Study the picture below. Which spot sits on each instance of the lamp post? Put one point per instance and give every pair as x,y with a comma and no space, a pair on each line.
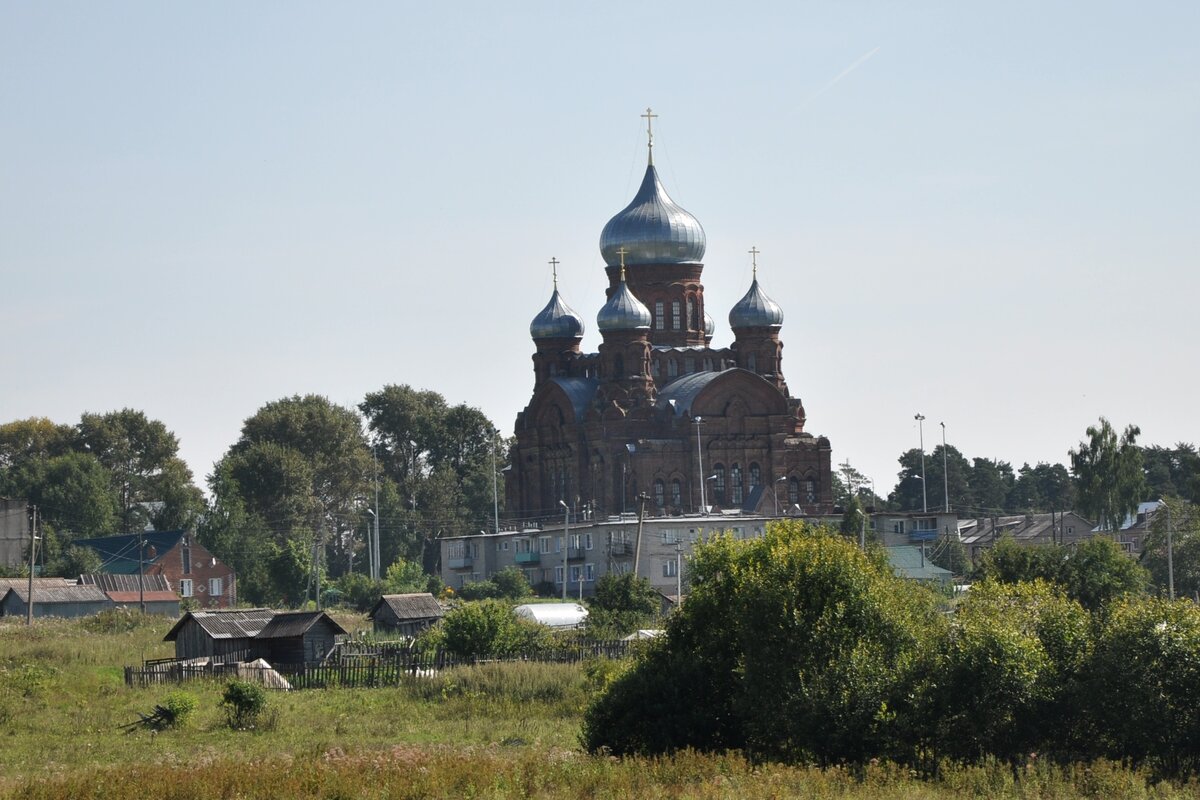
566,534
920,418
1170,555
700,463
945,474
374,546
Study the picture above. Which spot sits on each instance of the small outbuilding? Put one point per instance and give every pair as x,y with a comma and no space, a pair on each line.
405,614
553,615
222,635
58,601
298,637
130,591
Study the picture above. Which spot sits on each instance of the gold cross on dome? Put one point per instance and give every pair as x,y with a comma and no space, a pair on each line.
621,251
649,116
754,251
554,269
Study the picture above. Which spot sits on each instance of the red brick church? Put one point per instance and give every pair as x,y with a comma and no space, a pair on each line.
660,409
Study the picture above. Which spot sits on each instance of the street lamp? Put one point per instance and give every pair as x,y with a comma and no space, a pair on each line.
566,535
1170,554
700,463
372,566
945,474
920,418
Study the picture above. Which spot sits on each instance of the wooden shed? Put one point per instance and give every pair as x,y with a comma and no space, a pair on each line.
405,614
60,601
297,637
224,635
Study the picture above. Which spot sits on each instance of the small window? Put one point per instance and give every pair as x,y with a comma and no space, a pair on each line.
676,493
659,322
576,574
185,587
735,480
216,587
187,561
689,365
755,475
670,569
587,541
691,314
589,572
544,545
660,491
719,483
672,368
793,491
676,315
558,574
810,488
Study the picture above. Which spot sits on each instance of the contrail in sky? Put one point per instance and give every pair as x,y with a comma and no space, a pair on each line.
858,63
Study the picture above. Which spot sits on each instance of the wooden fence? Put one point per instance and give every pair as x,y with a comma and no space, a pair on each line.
365,665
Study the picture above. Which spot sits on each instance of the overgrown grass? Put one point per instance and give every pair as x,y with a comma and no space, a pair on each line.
490,731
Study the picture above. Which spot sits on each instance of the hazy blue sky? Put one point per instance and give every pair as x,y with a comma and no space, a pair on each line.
987,213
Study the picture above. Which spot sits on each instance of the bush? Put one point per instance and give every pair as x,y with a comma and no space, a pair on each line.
244,703
180,706
622,604
487,628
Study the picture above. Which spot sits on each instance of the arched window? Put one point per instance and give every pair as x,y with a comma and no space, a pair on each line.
793,491
672,368
755,475
676,493
810,490
656,367
708,365
735,481
660,491
691,317
676,315
659,322
719,484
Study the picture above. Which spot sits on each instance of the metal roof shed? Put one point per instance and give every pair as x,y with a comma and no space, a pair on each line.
406,614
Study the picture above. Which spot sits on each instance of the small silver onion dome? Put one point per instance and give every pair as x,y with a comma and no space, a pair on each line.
755,310
653,229
556,321
623,311
710,326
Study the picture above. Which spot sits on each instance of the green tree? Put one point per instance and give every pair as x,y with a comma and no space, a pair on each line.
991,482
1173,471
621,604
795,646
487,628
75,561
73,492
1108,474
1093,572
142,457
403,577
1184,521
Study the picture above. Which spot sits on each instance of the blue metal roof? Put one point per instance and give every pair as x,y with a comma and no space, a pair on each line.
119,554
556,321
684,390
579,391
653,229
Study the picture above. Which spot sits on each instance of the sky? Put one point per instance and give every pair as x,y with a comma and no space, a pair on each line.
983,213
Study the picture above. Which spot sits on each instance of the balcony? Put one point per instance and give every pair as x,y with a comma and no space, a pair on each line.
528,558
922,536
463,562
576,554
620,549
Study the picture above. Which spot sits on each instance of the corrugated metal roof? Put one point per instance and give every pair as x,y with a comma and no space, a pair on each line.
417,605
242,623
151,597
60,594
125,583
295,623
45,583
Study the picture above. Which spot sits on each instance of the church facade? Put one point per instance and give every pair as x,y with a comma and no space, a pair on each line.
659,409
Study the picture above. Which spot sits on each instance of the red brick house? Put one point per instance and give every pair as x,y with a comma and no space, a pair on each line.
196,574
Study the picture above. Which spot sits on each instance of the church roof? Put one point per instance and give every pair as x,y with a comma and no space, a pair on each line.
755,310
579,391
623,311
653,229
556,321
680,392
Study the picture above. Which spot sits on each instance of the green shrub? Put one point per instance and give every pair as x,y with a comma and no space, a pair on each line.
115,620
487,628
244,703
180,705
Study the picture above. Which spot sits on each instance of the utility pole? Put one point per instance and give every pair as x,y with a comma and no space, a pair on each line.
142,570
566,541
678,572
700,462
945,474
375,545
32,551
637,546
920,418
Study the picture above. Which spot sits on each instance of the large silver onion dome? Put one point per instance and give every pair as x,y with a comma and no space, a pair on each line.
653,229
556,321
755,310
623,311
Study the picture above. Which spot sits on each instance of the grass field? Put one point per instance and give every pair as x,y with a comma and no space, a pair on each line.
502,731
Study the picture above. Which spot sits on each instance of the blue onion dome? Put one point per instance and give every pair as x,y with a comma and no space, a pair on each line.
653,229
755,310
623,311
556,321
710,326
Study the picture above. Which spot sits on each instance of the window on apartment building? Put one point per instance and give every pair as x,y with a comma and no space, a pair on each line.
216,587
670,569
185,587
544,545
576,574
558,574
589,572
587,541
929,524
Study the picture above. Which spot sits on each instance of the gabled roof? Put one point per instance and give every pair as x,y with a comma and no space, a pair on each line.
119,554
38,583
295,623
59,594
241,623
416,605
908,562
126,583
